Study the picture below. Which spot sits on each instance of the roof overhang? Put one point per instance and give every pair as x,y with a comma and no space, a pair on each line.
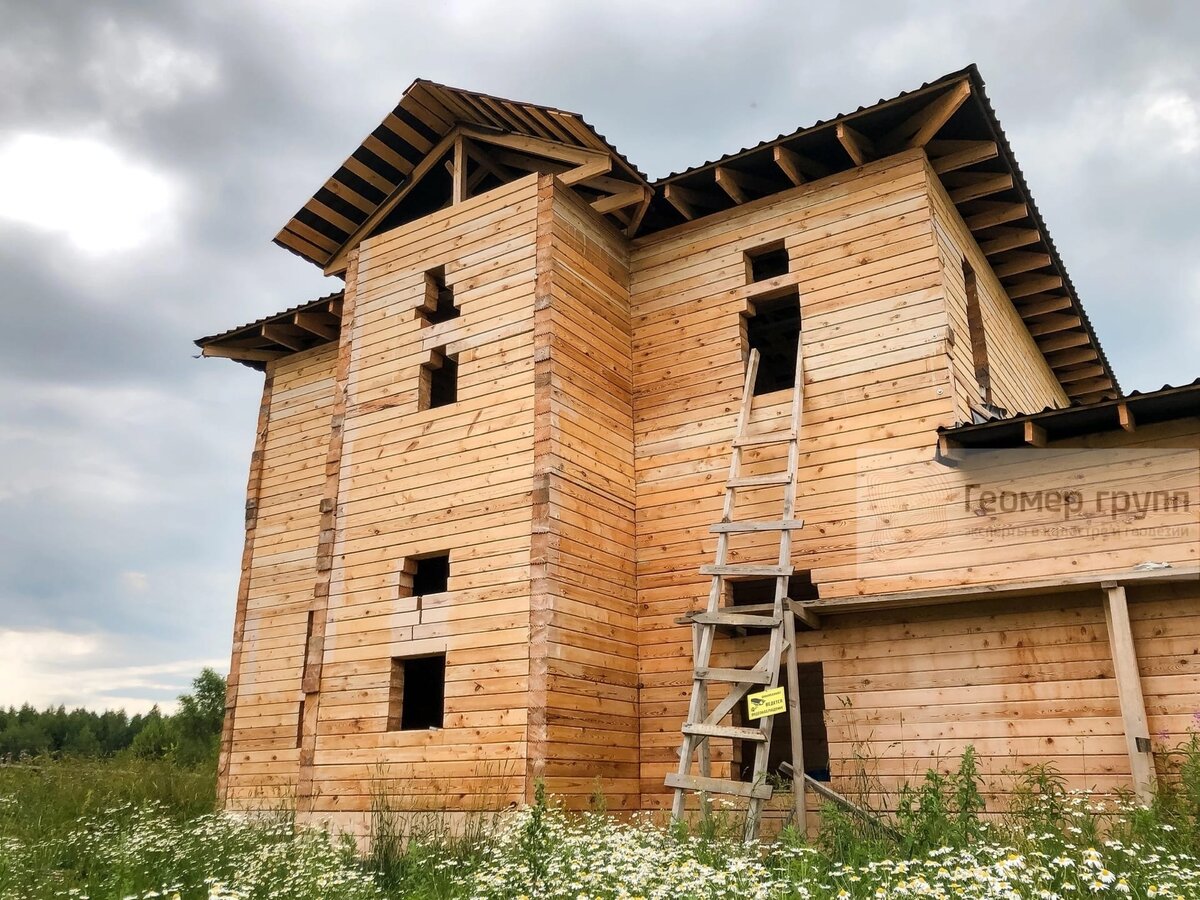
273,337
953,120
415,136
1036,429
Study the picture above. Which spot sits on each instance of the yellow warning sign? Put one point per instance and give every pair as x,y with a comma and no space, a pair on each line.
765,703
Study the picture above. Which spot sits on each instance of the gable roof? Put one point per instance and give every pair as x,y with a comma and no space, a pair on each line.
425,115
962,136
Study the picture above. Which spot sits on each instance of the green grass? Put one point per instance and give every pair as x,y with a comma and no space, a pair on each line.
144,829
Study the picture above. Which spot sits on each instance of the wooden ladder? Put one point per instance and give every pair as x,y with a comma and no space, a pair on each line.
778,617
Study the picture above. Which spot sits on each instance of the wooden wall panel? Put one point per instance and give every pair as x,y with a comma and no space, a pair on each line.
1020,378
451,479
586,469
264,752
863,256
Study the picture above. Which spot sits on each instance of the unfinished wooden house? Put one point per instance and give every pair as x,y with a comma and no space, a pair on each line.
517,511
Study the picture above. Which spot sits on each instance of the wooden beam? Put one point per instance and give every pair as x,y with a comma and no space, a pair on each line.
587,170
1040,304
537,146
1072,357
1129,691
337,264
1018,263
1063,341
1035,435
1100,383
974,185
1052,323
1125,417
280,335
730,184
1035,285
857,145
947,156
620,201
1009,238
635,221
993,214
316,323
1093,370
458,190
242,353
685,200
789,163
919,129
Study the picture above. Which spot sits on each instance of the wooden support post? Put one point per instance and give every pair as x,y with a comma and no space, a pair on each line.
1129,690
795,726
459,192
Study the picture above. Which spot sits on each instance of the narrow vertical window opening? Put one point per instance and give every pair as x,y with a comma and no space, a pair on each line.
979,357
300,725
439,298
439,380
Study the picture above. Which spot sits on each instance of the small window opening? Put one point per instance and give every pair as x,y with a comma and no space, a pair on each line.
417,693
431,574
439,298
767,261
300,725
773,329
814,737
439,380
979,357
753,591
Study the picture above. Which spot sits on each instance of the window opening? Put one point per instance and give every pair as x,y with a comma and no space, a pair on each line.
417,693
773,329
439,380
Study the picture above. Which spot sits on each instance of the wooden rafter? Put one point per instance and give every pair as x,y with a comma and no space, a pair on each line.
1052,323
1040,304
919,129
1018,263
285,337
735,183
788,162
685,200
965,186
613,202
1092,370
1034,285
324,327
338,263
857,145
1063,341
990,214
948,156
1002,239
1071,356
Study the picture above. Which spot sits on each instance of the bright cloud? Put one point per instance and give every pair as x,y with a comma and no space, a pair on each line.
1177,114
84,189
46,668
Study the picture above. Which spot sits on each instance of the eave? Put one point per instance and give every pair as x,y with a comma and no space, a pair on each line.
953,120
276,336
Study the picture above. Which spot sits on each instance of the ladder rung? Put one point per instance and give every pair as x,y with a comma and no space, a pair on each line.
739,527
771,437
752,481
737,618
747,569
734,676
724,731
761,791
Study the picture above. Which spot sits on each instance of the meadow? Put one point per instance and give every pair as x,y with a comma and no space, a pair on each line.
129,827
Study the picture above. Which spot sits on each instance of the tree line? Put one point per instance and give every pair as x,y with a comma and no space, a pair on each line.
191,736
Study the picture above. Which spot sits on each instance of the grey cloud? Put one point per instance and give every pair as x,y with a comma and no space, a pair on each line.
249,107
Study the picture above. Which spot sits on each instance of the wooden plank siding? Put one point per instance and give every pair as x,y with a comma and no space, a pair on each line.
264,750
1021,380
574,480
454,479
585,478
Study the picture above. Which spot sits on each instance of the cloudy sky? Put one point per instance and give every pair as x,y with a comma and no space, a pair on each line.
149,151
